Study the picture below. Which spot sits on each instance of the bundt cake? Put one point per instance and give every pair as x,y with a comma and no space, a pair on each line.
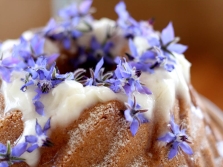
82,92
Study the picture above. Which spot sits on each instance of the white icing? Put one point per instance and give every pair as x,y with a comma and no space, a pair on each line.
166,86
6,48
219,146
197,111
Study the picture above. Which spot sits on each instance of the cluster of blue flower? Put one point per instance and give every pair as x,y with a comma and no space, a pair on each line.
41,70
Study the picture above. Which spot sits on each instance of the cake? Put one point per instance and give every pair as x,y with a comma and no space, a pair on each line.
85,92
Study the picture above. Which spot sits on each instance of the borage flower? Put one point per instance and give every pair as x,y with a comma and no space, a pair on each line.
142,62
40,139
9,156
29,49
7,65
101,50
149,60
162,60
126,78
76,10
129,25
176,139
168,42
45,81
65,32
97,76
134,114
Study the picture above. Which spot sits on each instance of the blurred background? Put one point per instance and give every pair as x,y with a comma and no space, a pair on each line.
199,23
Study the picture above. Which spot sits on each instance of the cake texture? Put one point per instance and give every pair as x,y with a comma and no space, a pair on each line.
83,92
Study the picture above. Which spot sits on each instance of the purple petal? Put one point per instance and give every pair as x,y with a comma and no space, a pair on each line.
24,87
120,9
174,126
24,54
107,47
69,11
4,164
37,44
41,61
2,148
41,74
98,67
8,61
147,55
169,67
89,82
39,107
56,82
32,148
49,75
128,116
94,43
47,125
168,137
186,148
132,48
50,25
31,62
31,139
38,95
134,127
142,118
154,41
52,58
167,34
67,43
19,149
33,73
5,74
85,6
38,129
127,88
178,48
76,34
146,90
173,150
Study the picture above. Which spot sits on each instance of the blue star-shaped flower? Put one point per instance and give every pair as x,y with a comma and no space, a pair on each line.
150,59
40,139
142,62
64,32
177,138
27,49
128,79
45,80
9,156
168,41
101,50
7,65
134,114
129,25
97,76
